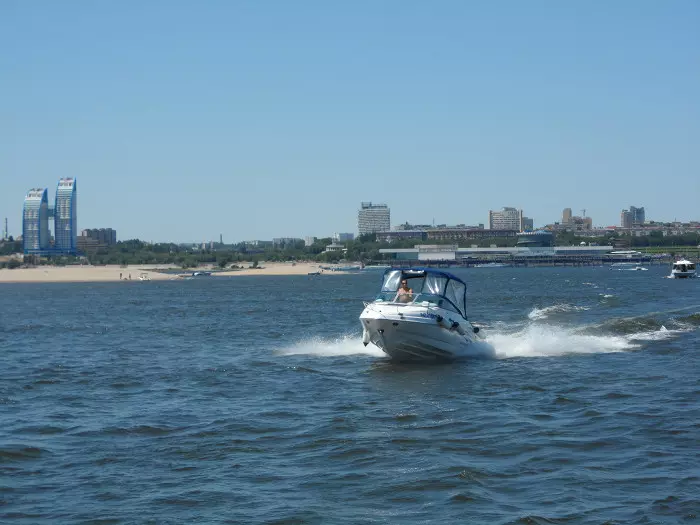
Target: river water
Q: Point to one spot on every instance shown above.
(253, 400)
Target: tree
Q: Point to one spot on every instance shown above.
(13, 263)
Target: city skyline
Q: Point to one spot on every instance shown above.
(374, 216)
(289, 118)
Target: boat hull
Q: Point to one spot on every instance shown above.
(417, 333)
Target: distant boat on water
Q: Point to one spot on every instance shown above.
(683, 269)
(630, 266)
(491, 265)
(350, 268)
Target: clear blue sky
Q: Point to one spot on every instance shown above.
(258, 119)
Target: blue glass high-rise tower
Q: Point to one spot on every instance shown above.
(66, 217)
(35, 222)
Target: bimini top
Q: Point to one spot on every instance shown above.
(683, 261)
(437, 285)
(422, 272)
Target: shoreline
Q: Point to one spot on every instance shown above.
(116, 273)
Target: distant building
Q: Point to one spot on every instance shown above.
(66, 217)
(632, 218)
(35, 222)
(528, 224)
(373, 218)
(625, 219)
(285, 242)
(536, 239)
(566, 216)
(104, 236)
(343, 237)
(453, 233)
(308, 241)
(335, 247)
(506, 219)
(401, 235)
(638, 216)
(258, 244)
(463, 234)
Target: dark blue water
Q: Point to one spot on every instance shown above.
(252, 400)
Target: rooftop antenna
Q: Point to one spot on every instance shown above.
(583, 211)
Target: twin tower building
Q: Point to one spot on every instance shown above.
(36, 235)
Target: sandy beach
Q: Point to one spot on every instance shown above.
(113, 273)
(274, 268)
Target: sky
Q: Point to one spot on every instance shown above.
(186, 120)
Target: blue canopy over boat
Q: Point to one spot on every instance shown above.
(435, 283)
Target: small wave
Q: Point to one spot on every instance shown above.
(626, 326)
(19, 452)
(336, 347)
(538, 314)
(141, 430)
(549, 341)
(693, 319)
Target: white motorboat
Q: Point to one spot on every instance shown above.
(423, 320)
(683, 269)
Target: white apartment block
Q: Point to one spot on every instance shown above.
(506, 219)
(373, 218)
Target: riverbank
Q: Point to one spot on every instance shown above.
(77, 274)
(114, 273)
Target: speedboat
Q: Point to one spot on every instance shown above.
(428, 324)
(683, 269)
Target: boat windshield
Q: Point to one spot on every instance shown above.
(684, 267)
(434, 288)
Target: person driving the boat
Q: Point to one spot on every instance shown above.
(405, 294)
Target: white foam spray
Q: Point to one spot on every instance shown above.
(332, 347)
(547, 341)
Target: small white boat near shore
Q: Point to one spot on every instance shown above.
(683, 269)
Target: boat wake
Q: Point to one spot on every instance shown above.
(535, 338)
(532, 340)
(332, 347)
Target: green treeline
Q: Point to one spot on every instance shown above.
(365, 248)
